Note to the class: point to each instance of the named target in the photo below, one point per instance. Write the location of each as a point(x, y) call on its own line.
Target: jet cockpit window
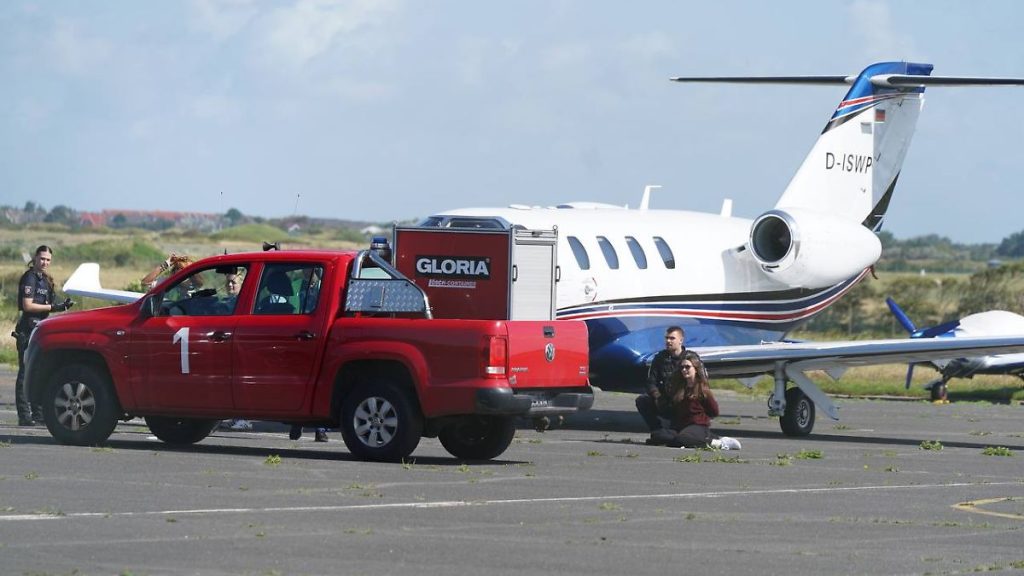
point(638, 252)
point(666, 252)
point(609, 252)
point(579, 252)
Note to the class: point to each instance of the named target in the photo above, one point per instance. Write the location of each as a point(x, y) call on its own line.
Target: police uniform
point(39, 287)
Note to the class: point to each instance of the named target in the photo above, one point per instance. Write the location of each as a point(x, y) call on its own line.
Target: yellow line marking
point(974, 506)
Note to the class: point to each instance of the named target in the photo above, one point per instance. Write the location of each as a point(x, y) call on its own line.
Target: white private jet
point(735, 284)
point(990, 323)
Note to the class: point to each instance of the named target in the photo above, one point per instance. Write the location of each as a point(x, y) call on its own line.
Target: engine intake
point(807, 249)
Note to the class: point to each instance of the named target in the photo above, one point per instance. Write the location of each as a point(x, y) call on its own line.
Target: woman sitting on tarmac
point(692, 406)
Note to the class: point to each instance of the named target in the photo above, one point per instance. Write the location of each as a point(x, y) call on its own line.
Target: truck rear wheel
point(180, 430)
point(381, 421)
point(79, 406)
point(478, 437)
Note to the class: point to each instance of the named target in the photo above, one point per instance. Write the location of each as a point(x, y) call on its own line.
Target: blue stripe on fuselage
point(624, 335)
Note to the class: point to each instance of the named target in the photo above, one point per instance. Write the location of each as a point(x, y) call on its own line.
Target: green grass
point(254, 234)
point(809, 455)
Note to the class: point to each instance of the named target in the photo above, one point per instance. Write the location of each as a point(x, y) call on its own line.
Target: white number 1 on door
point(182, 336)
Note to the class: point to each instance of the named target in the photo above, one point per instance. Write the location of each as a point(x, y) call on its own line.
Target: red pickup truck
point(336, 339)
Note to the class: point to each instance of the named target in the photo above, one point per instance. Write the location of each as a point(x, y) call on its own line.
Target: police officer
point(35, 301)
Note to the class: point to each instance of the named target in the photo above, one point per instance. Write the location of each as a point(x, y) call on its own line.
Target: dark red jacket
point(693, 411)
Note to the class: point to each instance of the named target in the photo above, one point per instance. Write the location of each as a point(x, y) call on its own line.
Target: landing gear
point(798, 419)
point(939, 392)
point(795, 407)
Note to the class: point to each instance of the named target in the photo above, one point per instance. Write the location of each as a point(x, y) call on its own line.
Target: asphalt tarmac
point(860, 496)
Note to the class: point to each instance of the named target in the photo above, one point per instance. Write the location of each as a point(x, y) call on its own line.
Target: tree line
point(927, 299)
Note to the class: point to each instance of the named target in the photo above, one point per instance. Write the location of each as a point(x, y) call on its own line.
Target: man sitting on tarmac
point(654, 405)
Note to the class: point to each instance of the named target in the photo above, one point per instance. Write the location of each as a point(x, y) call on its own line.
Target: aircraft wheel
point(938, 392)
point(798, 420)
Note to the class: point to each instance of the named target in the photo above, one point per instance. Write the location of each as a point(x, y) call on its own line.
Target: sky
point(382, 110)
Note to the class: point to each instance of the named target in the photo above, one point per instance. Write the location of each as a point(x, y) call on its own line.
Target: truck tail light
point(496, 356)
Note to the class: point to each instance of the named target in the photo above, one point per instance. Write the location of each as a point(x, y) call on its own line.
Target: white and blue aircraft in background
point(991, 323)
point(735, 284)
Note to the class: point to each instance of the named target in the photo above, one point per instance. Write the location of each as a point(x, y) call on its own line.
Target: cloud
point(362, 91)
point(872, 21)
point(477, 57)
point(567, 56)
point(214, 105)
point(74, 52)
point(222, 19)
point(650, 46)
point(310, 28)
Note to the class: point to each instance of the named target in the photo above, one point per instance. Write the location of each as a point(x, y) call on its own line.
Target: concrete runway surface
point(857, 497)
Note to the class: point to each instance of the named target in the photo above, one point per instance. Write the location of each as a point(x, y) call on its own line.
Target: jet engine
point(806, 249)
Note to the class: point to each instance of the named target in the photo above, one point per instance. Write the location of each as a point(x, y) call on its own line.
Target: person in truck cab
point(653, 404)
point(36, 294)
point(232, 287)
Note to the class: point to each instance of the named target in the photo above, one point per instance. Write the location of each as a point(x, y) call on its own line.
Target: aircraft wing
point(85, 281)
point(835, 357)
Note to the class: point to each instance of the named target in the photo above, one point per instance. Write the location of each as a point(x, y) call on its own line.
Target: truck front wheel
point(380, 421)
point(478, 437)
point(180, 430)
point(79, 406)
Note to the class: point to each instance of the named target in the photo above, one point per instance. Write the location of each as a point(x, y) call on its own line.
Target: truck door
point(181, 356)
point(278, 346)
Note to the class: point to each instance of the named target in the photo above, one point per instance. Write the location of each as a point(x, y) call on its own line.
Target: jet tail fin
point(851, 171)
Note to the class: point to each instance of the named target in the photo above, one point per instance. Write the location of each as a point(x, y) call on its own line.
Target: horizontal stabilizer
point(85, 281)
point(898, 80)
point(881, 80)
point(818, 80)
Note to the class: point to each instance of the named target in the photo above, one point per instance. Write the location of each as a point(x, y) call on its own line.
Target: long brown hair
point(700, 379)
